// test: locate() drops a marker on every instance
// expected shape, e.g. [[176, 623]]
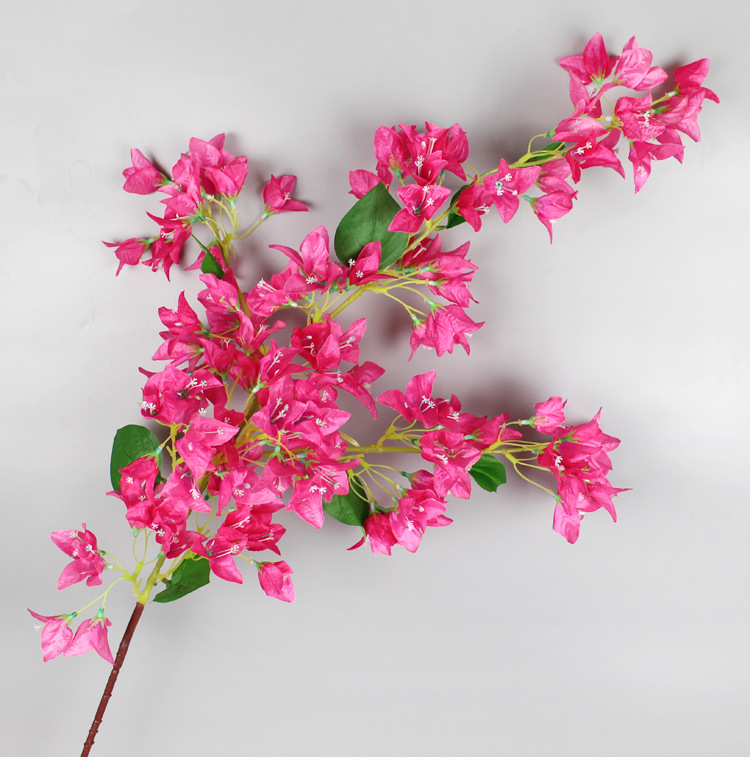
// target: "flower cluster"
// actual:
[[247, 403]]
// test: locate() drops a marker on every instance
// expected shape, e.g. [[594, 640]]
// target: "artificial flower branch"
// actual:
[[209, 491]]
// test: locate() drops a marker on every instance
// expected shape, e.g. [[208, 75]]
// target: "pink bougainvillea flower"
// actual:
[[552, 206], [311, 267], [637, 120], [276, 580], [144, 177], [567, 522], [642, 153], [361, 182], [588, 73], [448, 271], [390, 152], [689, 78], [444, 328], [452, 144], [221, 551], [685, 103], [634, 70], [578, 458], [57, 634], [504, 187], [422, 202], [379, 533], [130, 251], [199, 443], [277, 195], [166, 249], [87, 564], [92, 634], [473, 203], [365, 267], [227, 179], [589, 152], [417, 403], [549, 415], [416, 510], [452, 458]]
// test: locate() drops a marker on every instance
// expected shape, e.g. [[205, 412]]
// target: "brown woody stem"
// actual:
[[122, 650]]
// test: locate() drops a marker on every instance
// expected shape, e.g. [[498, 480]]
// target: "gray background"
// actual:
[[497, 637]]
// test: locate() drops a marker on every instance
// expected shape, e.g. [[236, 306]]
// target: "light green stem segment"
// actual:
[[143, 596]]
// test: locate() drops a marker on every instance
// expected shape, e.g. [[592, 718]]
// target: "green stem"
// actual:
[[143, 596]]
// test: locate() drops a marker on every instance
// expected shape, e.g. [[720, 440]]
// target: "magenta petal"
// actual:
[[567, 524], [225, 568]]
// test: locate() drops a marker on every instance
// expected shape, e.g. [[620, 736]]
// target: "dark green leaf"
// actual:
[[368, 221], [455, 218], [211, 265], [552, 147], [189, 576], [352, 508], [488, 472], [130, 443]]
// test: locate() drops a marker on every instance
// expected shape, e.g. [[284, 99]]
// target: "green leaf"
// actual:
[[368, 221], [130, 443], [352, 508], [211, 265], [189, 576], [488, 472], [552, 147], [455, 218]]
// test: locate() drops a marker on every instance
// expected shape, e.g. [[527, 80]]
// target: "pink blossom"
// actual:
[[642, 153], [588, 73], [589, 152], [473, 202], [92, 634], [254, 523], [227, 179], [578, 458], [321, 482], [634, 68], [452, 457], [57, 634], [422, 202], [390, 152], [277, 195], [221, 551], [137, 481], [417, 403], [682, 109], [87, 561], [444, 328], [637, 119], [361, 182], [311, 268], [567, 522], [416, 510], [366, 267], [552, 206], [448, 271], [276, 580], [379, 533], [199, 444], [130, 251], [549, 415], [143, 178], [504, 187], [166, 249]]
